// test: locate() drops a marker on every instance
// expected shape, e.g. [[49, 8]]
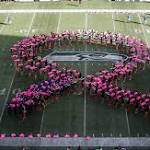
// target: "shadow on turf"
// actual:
[[76, 5], [7, 41], [2, 23], [131, 22]]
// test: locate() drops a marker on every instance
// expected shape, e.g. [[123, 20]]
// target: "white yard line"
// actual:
[[74, 11], [12, 81], [7, 96], [33, 17], [84, 106], [2, 28], [113, 22], [85, 74], [86, 21], [42, 120], [126, 114], [143, 30], [59, 21], [57, 30], [128, 125], [50, 143], [9, 90]]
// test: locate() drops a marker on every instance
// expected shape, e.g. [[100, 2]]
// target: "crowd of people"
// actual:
[[38, 135], [24, 56], [26, 60], [49, 136], [105, 84]]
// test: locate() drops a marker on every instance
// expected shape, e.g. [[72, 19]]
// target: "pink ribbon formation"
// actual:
[[25, 57]]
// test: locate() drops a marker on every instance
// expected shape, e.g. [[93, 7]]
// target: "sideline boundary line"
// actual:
[[64, 142], [126, 114], [59, 22], [74, 11], [7, 96]]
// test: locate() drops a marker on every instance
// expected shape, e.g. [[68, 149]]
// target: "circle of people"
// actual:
[[105, 84]]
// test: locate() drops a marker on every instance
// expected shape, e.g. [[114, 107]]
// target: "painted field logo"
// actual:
[[86, 56]]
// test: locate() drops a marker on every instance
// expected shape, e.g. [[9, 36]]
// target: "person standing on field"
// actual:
[[144, 19]]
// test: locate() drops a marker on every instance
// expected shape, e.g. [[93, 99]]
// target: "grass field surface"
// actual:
[[73, 113]]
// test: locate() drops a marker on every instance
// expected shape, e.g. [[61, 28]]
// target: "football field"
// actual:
[[74, 112]]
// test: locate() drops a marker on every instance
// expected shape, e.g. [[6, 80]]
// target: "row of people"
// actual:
[[105, 82], [48, 135], [37, 94], [25, 52]]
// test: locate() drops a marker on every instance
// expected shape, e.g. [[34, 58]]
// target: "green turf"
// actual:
[[67, 116]]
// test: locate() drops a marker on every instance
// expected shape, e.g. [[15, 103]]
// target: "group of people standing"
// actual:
[[106, 83], [26, 60]]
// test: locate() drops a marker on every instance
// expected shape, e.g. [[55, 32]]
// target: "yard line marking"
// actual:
[[43, 114], [113, 22], [85, 74], [128, 125], [126, 115], [3, 91], [86, 21], [7, 96], [74, 11], [127, 118], [33, 17], [86, 27], [143, 30], [64, 142], [42, 120], [2, 28], [84, 108], [135, 30], [147, 30], [12, 81], [59, 21]]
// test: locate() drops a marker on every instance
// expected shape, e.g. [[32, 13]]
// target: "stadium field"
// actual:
[[102, 4], [74, 112]]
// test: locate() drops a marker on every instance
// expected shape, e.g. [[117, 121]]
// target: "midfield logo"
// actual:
[[86, 56]]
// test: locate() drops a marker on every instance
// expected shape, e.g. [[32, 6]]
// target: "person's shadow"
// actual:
[[130, 22], [2, 23], [75, 5]]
